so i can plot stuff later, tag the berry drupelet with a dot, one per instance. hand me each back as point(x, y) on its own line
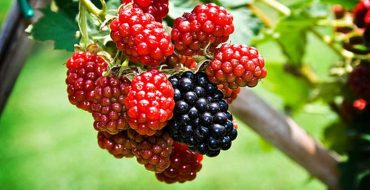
point(150, 102)
point(184, 165)
point(84, 68)
point(207, 24)
point(201, 119)
point(359, 81)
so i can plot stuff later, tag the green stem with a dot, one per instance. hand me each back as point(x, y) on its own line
point(124, 65)
point(328, 42)
point(95, 10)
point(82, 24)
point(260, 14)
point(277, 6)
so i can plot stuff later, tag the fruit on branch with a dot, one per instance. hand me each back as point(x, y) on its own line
point(176, 60)
point(119, 145)
point(185, 165)
point(236, 66)
point(83, 70)
point(157, 8)
point(229, 94)
point(140, 37)
point(359, 81)
point(207, 25)
point(150, 102)
point(339, 11)
point(108, 108)
point(361, 13)
point(201, 119)
point(152, 151)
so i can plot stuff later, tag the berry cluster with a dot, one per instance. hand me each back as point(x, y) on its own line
point(140, 37)
point(201, 119)
point(157, 8)
point(155, 104)
point(207, 25)
point(361, 18)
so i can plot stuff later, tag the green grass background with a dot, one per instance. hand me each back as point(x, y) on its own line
point(46, 143)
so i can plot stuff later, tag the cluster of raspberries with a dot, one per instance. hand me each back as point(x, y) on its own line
point(166, 120)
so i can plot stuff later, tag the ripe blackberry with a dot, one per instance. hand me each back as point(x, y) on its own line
point(150, 102)
point(207, 23)
point(359, 81)
point(201, 119)
point(184, 165)
point(236, 66)
point(176, 59)
point(108, 107)
point(119, 145)
point(229, 94)
point(361, 13)
point(157, 8)
point(83, 70)
point(140, 37)
point(152, 151)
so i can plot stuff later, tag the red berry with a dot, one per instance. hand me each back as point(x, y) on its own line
point(157, 8)
point(229, 94)
point(140, 37)
point(359, 81)
point(339, 11)
point(206, 24)
point(361, 13)
point(150, 102)
point(108, 107)
point(118, 145)
point(236, 66)
point(184, 165)
point(152, 151)
point(176, 60)
point(83, 69)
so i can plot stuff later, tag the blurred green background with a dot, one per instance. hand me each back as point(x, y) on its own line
point(46, 143)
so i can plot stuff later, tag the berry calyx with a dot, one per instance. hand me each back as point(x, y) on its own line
point(152, 151)
point(150, 102)
point(201, 119)
point(236, 66)
point(207, 25)
point(83, 70)
point(140, 37)
point(184, 166)
point(108, 106)
point(119, 145)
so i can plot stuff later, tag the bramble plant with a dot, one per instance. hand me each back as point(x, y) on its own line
point(158, 76)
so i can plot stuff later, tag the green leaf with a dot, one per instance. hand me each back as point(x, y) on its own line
point(292, 33)
point(179, 7)
point(336, 137)
point(348, 4)
point(234, 3)
point(69, 7)
point(58, 27)
point(328, 91)
point(293, 91)
point(247, 26)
